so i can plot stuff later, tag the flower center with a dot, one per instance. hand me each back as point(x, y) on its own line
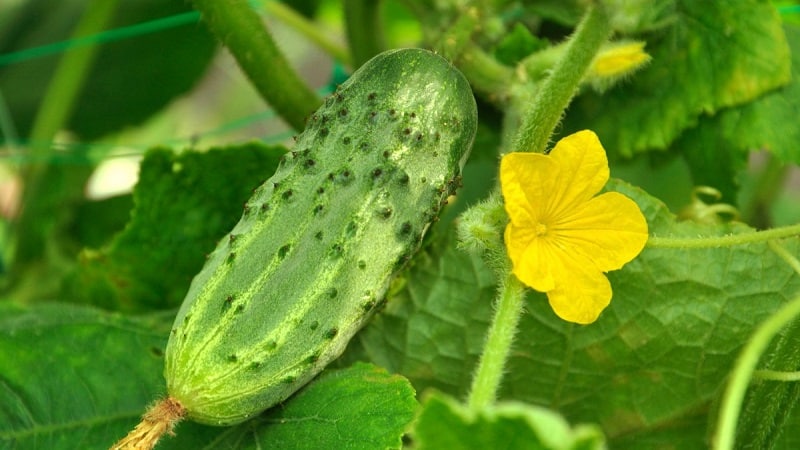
point(541, 229)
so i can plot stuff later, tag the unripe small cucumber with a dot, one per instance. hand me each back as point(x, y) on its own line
point(319, 242)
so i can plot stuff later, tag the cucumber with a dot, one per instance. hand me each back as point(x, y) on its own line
point(319, 242)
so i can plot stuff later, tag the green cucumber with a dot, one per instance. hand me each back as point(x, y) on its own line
point(318, 243)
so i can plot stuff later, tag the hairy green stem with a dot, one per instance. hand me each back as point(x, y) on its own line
point(498, 344)
point(557, 91)
point(743, 371)
point(41, 197)
point(364, 25)
point(724, 241)
point(310, 30)
point(241, 29)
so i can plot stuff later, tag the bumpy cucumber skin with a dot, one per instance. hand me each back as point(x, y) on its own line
point(318, 243)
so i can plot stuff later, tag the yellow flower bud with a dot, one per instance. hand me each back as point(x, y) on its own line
point(615, 62)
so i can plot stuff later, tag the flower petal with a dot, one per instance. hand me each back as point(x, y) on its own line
point(584, 171)
point(607, 231)
point(526, 180)
point(581, 295)
point(530, 257)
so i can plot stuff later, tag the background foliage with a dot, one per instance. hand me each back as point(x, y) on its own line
point(85, 314)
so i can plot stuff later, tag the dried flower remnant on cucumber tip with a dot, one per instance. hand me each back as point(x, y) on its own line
point(161, 418)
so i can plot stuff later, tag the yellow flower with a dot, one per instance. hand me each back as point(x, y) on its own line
point(561, 238)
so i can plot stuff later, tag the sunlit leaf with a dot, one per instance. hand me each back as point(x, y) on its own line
point(717, 148)
point(712, 56)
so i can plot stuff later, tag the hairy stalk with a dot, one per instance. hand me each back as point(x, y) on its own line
point(498, 344)
point(241, 29)
point(724, 241)
point(558, 89)
point(538, 124)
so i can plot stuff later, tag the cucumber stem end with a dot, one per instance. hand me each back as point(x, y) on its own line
point(159, 419)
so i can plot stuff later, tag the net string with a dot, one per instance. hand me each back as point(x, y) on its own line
point(11, 140)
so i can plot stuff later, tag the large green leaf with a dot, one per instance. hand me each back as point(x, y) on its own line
point(362, 407)
point(652, 364)
point(183, 203)
point(714, 55)
point(131, 78)
point(75, 377)
point(717, 148)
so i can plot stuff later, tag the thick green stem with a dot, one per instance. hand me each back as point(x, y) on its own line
point(241, 29)
point(42, 197)
point(364, 24)
point(498, 344)
point(558, 89)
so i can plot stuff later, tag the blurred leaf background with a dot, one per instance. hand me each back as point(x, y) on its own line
point(85, 316)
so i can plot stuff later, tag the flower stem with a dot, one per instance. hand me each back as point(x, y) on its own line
point(743, 371)
point(724, 241)
point(558, 89)
point(240, 28)
point(498, 344)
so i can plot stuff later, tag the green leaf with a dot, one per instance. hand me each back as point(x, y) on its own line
point(517, 44)
point(97, 221)
point(714, 55)
point(71, 377)
point(131, 79)
point(75, 377)
point(443, 423)
point(183, 204)
point(717, 148)
point(652, 364)
point(360, 407)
